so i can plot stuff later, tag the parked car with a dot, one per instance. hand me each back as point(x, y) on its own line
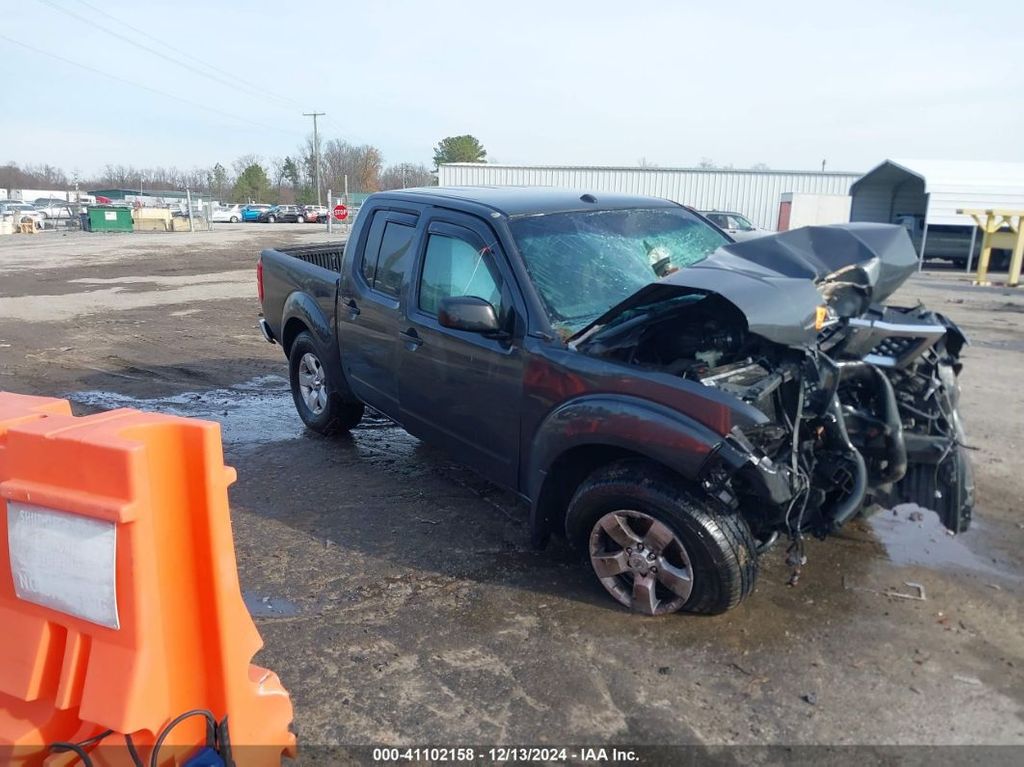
point(735, 225)
point(56, 209)
point(668, 400)
point(283, 214)
point(316, 213)
point(21, 210)
point(53, 207)
point(252, 212)
point(227, 214)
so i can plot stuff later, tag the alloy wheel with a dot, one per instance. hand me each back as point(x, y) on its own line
point(641, 562)
point(313, 383)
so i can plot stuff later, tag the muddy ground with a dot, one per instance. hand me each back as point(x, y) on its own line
point(397, 593)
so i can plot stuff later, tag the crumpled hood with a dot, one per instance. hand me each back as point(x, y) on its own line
point(775, 280)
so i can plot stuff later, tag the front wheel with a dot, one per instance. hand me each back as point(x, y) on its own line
point(234, 219)
point(655, 546)
point(271, 220)
point(316, 396)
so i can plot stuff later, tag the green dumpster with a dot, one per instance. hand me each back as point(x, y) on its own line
point(107, 218)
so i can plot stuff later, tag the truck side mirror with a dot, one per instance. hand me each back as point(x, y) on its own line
point(468, 313)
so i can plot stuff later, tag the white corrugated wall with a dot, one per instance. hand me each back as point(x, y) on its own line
point(754, 193)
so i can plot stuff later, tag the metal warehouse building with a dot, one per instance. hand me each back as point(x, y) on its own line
point(754, 193)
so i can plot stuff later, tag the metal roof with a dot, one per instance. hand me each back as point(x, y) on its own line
point(954, 184)
point(653, 169)
point(532, 200)
point(754, 193)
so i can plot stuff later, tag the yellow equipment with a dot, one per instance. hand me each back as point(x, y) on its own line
point(992, 223)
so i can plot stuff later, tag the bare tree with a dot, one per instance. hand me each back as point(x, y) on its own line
point(32, 176)
point(362, 164)
point(245, 161)
point(406, 174)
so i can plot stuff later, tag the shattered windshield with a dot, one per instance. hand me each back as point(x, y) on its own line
point(584, 263)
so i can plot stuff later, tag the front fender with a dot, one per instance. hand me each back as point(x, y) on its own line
point(609, 420)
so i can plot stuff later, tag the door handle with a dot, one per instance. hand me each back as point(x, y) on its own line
point(353, 309)
point(411, 339)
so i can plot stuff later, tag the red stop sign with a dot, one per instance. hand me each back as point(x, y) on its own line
point(340, 212)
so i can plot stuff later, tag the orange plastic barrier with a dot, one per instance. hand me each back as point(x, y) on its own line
point(120, 607)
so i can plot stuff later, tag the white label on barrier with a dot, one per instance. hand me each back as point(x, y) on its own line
point(64, 561)
point(110, 215)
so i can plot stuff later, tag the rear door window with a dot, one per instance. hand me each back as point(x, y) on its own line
point(393, 262)
point(388, 251)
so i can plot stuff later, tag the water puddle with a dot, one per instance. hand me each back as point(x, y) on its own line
point(257, 411)
point(913, 535)
point(251, 413)
point(262, 606)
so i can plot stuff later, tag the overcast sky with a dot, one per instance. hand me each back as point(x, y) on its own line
point(603, 83)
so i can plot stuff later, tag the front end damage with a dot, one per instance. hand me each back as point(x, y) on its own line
point(855, 402)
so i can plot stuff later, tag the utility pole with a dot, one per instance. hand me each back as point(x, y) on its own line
point(316, 150)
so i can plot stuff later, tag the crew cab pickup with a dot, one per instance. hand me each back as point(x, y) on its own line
point(669, 400)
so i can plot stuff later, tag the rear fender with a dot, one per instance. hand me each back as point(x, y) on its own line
point(302, 308)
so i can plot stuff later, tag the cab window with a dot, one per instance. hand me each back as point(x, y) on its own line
point(454, 267)
point(387, 252)
point(394, 257)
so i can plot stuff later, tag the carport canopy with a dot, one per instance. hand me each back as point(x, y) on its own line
point(935, 190)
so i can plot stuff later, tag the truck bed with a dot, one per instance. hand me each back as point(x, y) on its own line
point(305, 277)
point(326, 256)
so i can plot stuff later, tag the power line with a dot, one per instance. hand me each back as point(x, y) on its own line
point(143, 87)
point(233, 83)
point(128, 40)
point(232, 80)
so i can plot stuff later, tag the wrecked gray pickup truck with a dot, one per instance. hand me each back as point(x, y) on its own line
point(670, 401)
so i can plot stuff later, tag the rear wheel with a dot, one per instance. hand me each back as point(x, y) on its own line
point(271, 220)
point(316, 396)
point(234, 219)
point(657, 547)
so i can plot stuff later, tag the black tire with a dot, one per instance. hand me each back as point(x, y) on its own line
point(337, 415)
point(271, 220)
point(721, 549)
point(234, 219)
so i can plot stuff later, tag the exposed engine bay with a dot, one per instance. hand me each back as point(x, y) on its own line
point(845, 402)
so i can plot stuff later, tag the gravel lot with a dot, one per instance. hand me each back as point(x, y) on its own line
point(397, 593)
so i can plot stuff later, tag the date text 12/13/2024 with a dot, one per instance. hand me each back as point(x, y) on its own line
point(501, 754)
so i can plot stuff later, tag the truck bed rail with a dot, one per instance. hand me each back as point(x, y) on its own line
point(327, 256)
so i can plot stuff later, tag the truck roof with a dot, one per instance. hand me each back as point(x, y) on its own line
point(532, 200)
